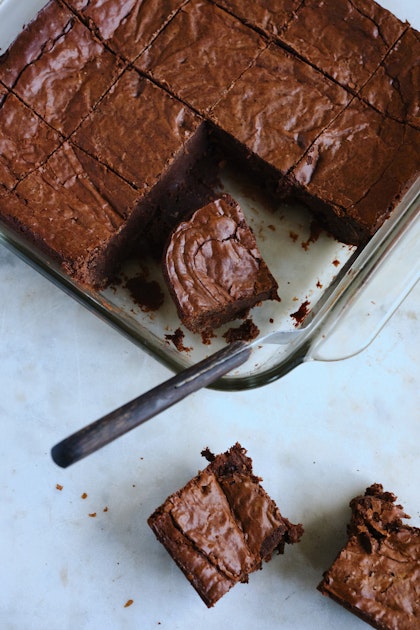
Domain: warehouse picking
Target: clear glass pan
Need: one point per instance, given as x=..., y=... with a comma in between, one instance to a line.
x=346, y=294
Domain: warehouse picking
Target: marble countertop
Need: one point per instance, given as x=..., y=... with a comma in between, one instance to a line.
x=75, y=545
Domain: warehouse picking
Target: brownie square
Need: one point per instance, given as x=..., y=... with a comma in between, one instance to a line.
x=222, y=525
x=346, y=39
x=138, y=130
x=201, y=52
x=278, y=107
x=76, y=219
x=376, y=576
x=394, y=89
x=127, y=26
x=58, y=68
x=213, y=267
x=270, y=16
x=26, y=141
x=380, y=154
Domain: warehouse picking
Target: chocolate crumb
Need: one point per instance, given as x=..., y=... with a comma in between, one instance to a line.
x=59, y=486
x=301, y=313
x=84, y=496
x=245, y=332
x=178, y=340
x=128, y=603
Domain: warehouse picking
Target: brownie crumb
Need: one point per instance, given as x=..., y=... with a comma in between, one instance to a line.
x=247, y=331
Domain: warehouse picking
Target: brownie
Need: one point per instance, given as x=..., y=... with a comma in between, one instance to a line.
x=211, y=48
x=394, y=89
x=382, y=157
x=83, y=222
x=221, y=525
x=213, y=267
x=377, y=574
x=126, y=26
x=269, y=16
x=346, y=39
x=58, y=68
x=153, y=130
x=25, y=140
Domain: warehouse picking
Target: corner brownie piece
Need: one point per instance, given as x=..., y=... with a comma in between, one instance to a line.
x=222, y=525
x=377, y=574
x=213, y=267
x=58, y=68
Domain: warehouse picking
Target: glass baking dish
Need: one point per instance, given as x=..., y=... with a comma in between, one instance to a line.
x=334, y=298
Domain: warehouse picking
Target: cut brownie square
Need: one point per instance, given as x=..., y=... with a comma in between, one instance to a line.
x=346, y=39
x=138, y=130
x=200, y=54
x=269, y=16
x=382, y=157
x=394, y=89
x=58, y=68
x=83, y=222
x=26, y=141
x=126, y=26
x=376, y=576
x=278, y=108
x=222, y=525
x=213, y=267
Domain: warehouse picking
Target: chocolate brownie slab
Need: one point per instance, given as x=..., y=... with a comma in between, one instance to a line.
x=376, y=576
x=200, y=54
x=222, y=525
x=346, y=39
x=213, y=267
x=126, y=26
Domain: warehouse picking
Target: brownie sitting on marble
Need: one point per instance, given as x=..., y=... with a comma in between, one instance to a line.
x=222, y=525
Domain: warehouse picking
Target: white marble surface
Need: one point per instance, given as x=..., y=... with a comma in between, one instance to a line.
x=318, y=436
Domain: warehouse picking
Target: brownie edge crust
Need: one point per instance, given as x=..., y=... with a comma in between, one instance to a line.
x=221, y=525
x=376, y=575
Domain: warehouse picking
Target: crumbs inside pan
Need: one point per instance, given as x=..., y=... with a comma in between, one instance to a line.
x=147, y=294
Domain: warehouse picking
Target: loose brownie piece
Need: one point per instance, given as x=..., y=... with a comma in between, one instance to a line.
x=394, y=89
x=138, y=130
x=270, y=16
x=26, y=141
x=85, y=223
x=58, y=68
x=278, y=107
x=213, y=267
x=346, y=39
x=222, y=525
x=377, y=574
x=357, y=170
x=126, y=26
x=201, y=52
